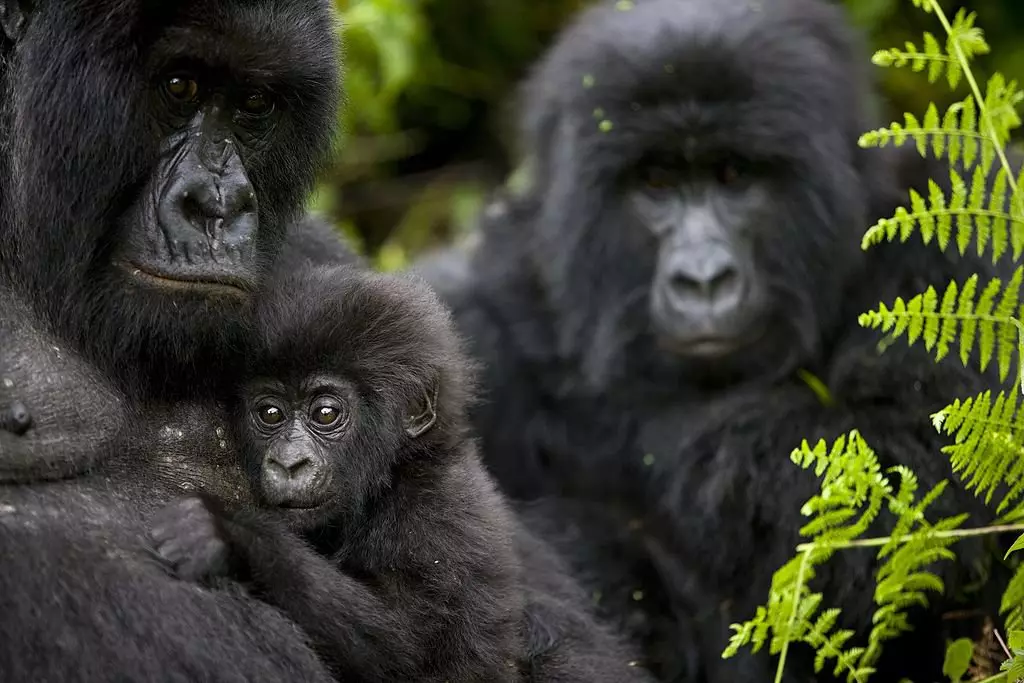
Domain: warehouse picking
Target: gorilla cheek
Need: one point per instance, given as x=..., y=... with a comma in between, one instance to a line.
x=296, y=474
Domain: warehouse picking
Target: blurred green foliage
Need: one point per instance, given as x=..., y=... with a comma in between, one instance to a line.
x=430, y=85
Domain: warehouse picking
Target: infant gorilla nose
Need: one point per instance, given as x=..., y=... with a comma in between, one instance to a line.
x=295, y=478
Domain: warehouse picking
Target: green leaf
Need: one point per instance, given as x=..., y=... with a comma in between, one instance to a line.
x=1017, y=545
x=958, y=659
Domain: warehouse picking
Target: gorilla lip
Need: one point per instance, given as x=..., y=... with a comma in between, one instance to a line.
x=230, y=286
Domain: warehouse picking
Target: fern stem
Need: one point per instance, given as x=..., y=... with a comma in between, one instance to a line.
x=924, y=56
x=1020, y=357
x=993, y=679
x=780, y=669
x=876, y=542
x=969, y=75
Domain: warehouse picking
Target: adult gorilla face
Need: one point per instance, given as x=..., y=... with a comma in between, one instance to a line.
x=153, y=154
x=699, y=186
x=707, y=298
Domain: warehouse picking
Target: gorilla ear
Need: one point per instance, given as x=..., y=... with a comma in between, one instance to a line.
x=14, y=18
x=424, y=415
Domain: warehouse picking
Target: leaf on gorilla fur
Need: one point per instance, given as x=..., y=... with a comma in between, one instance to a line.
x=815, y=384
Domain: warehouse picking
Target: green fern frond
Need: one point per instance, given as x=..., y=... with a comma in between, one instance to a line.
x=987, y=449
x=982, y=214
x=994, y=329
x=1013, y=601
x=956, y=135
x=963, y=42
x=854, y=491
x=930, y=55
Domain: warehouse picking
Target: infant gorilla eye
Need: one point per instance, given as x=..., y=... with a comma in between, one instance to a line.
x=269, y=414
x=182, y=88
x=257, y=103
x=326, y=415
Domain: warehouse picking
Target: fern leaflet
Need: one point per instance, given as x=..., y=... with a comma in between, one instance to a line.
x=995, y=329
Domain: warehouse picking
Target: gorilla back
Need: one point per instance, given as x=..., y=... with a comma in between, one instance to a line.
x=152, y=157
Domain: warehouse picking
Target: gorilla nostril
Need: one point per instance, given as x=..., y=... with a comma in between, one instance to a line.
x=724, y=282
x=684, y=284
x=196, y=212
x=300, y=469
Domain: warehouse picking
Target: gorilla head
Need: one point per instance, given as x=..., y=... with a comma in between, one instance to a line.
x=700, y=190
x=354, y=376
x=152, y=153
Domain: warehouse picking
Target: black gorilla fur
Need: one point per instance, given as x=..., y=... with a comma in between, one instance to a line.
x=662, y=467
x=381, y=535
x=102, y=356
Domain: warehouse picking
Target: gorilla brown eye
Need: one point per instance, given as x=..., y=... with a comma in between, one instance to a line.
x=182, y=88
x=727, y=174
x=257, y=104
x=658, y=178
x=326, y=415
x=269, y=414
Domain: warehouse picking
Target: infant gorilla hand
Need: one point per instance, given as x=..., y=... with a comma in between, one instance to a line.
x=187, y=537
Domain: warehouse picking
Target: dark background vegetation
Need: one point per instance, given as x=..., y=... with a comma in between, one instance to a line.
x=431, y=85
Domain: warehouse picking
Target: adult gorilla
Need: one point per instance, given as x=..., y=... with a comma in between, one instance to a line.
x=151, y=156
x=689, y=245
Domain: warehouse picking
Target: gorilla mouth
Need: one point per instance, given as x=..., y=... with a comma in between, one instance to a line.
x=231, y=286
x=300, y=504
x=710, y=346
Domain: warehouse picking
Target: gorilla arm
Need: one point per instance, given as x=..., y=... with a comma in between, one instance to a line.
x=418, y=589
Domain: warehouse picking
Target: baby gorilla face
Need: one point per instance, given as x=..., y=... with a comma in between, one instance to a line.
x=298, y=436
x=318, y=450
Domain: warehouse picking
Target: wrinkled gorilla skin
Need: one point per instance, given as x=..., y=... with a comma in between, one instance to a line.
x=729, y=181
x=97, y=171
x=374, y=503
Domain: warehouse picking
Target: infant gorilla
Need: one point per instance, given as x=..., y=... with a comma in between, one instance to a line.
x=381, y=535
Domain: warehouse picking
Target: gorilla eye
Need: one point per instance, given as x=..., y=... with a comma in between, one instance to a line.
x=658, y=178
x=727, y=173
x=269, y=414
x=326, y=414
x=182, y=88
x=257, y=104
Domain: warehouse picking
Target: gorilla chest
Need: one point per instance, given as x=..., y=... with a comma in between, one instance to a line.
x=191, y=447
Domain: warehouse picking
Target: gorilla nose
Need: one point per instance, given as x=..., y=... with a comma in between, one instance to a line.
x=292, y=480
x=704, y=277
x=219, y=205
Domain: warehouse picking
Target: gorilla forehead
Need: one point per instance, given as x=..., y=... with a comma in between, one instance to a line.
x=259, y=39
x=701, y=68
x=380, y=326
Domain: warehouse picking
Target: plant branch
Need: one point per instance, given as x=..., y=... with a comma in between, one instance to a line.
x=877, y=542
